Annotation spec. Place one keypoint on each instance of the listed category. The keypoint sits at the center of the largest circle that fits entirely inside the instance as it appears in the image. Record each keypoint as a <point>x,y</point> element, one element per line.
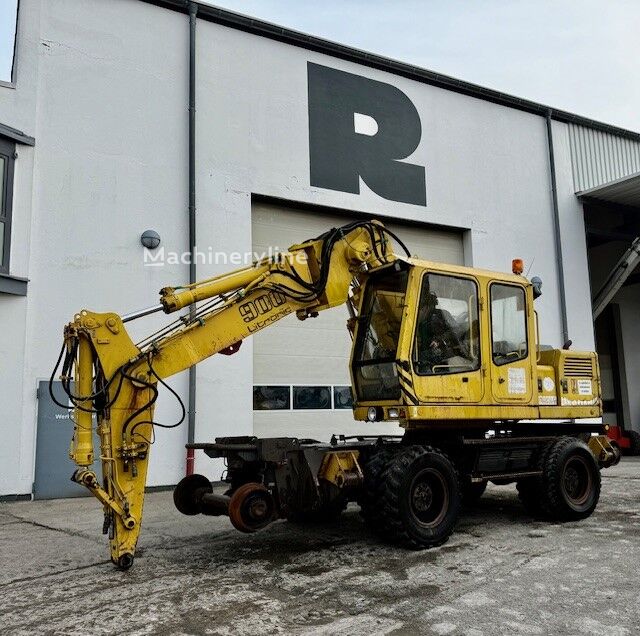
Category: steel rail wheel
<point>251,507</point>
<point>187,495</point>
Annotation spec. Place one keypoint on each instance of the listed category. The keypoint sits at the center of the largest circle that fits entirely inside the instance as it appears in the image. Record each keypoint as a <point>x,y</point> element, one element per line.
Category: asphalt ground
<point>500,573</point>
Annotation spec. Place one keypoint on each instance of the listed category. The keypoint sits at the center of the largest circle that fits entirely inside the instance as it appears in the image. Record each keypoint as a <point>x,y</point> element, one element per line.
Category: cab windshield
<point>377,337</point>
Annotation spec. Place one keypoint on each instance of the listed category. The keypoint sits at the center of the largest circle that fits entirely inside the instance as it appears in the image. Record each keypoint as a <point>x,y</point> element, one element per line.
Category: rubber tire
<point>531,489</point>
<point>634,443</point>
<point>471,492</point>
<point>399,522</point>
<point>370,506</point>
<point>555,502</point>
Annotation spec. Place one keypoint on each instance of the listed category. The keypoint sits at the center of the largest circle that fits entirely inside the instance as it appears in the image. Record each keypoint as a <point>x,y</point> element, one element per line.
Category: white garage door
<point>301,368</point>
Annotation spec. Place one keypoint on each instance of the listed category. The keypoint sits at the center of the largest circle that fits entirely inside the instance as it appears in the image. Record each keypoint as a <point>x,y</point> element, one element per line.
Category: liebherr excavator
<point>449,353</point>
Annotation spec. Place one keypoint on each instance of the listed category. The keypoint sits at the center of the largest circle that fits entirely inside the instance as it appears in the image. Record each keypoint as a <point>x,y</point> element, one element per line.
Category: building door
<point>54,432</point>
<point>301,368</point>
<point>610,352</point>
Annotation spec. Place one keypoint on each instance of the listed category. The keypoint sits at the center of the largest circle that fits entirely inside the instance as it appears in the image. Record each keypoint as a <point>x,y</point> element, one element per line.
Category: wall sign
<point>339,153</point>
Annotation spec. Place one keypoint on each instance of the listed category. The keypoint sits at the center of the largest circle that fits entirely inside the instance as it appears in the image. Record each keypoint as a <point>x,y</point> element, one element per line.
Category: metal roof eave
<point>623,191</point>
<point>16,135</point>
<point>334,49</point>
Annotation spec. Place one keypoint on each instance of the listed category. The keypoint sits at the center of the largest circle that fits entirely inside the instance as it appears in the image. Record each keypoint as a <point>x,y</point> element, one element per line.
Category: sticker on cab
<point>517,383</point>
<point>584,387</point>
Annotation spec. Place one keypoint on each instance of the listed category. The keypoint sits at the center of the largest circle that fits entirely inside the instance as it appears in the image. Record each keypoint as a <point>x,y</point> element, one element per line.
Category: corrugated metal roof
<point>599,157</point>
<point>625,191</point>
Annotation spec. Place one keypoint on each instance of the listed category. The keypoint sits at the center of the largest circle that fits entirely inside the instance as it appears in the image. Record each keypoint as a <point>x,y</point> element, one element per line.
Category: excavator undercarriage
<point>409,488</point>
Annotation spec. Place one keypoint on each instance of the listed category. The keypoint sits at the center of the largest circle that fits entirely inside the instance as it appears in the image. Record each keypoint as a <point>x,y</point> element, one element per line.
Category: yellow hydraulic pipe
<point>82,445</point>
<point>173,299</point>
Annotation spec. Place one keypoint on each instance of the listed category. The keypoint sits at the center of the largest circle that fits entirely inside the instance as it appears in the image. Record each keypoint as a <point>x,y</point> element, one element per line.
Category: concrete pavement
<point>500,573</point>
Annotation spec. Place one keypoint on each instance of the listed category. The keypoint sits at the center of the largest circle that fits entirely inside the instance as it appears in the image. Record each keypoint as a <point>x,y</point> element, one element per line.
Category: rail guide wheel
<point>187,495</point>
<point>251,507</point>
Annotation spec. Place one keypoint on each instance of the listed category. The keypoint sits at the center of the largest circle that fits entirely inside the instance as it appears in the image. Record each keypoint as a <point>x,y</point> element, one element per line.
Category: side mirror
<point>536,281</point>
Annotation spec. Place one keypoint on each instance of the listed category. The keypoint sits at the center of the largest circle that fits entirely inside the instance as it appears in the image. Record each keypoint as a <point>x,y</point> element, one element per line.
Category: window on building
<point>8,24</point>
<point>508,323</point>
<point>271,398</point>
<point>447,330</point>
<point>7,150</point>
<point>311,397</point>
<point>342,398</point>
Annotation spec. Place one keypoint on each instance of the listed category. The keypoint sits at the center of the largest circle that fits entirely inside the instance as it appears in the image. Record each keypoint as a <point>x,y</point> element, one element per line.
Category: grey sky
<point>7,35</point>
<point>579,55</point>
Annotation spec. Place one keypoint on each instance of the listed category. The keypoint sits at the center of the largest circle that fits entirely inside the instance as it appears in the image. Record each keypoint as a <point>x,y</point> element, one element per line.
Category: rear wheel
<point>370,500</point>
<point>531,489</point>
<point>419,497</point>
<point>571,481</point>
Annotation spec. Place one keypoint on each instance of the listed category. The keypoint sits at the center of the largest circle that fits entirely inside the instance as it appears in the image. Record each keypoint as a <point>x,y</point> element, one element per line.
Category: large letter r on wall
<point>339,155</point>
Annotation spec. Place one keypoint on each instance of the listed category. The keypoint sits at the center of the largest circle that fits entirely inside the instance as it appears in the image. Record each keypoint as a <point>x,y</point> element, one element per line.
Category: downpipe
<point>191,402</point>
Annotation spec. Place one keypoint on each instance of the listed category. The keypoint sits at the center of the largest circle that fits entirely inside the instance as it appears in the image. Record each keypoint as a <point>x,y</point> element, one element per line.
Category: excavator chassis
<point>410,488</point>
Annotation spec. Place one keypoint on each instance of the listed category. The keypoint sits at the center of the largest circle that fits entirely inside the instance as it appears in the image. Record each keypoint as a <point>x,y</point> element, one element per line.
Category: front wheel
<point>419,498</point>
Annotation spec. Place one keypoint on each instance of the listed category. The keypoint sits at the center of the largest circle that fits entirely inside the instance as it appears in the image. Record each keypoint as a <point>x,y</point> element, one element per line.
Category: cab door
<point>512,350</point>
<point>445,356</point>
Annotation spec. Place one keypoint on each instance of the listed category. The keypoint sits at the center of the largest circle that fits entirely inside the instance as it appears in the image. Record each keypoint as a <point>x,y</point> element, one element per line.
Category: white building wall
<point>574,244</point>
<point>18,110</point>
<point>111,160</point>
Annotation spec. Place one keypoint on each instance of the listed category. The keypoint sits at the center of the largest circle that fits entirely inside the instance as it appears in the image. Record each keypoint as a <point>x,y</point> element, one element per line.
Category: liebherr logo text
<point>262,305</point>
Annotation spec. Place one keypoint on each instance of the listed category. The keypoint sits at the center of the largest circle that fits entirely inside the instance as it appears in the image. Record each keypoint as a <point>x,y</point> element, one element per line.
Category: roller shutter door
<point>300,368</point>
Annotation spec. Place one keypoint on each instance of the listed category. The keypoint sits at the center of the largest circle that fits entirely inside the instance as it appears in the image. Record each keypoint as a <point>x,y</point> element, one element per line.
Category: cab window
<point>447,333</point>
<point>377,337</point>
<point>508,323</point>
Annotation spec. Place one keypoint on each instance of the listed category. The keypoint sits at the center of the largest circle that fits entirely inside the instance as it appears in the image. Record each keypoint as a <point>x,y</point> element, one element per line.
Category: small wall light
<point>150,239</point>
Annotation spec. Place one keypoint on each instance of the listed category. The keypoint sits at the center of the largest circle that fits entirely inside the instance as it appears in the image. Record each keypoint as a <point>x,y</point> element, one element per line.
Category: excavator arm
<point>112,382</point>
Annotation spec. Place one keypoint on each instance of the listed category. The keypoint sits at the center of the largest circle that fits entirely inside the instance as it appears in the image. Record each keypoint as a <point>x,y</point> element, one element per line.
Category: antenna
<point>533,260</point>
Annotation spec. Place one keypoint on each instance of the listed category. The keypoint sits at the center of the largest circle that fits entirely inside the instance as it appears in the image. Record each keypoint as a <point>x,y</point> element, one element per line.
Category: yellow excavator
<point>449,353</point>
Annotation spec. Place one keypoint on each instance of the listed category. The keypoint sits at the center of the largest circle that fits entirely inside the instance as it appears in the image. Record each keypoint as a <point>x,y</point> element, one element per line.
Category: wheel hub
<point>429,497</point>
<point>422,497</point>
<point>576,481</point>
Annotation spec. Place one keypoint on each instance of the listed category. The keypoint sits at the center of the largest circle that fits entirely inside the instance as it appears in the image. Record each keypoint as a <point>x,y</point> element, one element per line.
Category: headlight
<point>393,414</point>
<point>372,414</point>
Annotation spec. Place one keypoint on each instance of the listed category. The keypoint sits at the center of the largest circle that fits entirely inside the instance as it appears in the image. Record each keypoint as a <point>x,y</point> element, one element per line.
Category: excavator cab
<point>441,346</point>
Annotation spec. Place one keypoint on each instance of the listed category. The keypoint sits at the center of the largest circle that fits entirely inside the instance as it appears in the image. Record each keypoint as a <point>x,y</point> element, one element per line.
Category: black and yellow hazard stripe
<point>406,386</point>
